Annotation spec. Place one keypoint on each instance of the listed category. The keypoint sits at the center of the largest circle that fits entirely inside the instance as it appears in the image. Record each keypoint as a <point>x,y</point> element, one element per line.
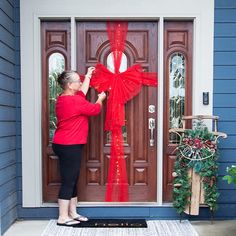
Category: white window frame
<point>31,12</point>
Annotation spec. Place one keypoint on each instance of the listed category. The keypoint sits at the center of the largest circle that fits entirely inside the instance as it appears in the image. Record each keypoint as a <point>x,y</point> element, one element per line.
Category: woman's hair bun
<point>65,77</point>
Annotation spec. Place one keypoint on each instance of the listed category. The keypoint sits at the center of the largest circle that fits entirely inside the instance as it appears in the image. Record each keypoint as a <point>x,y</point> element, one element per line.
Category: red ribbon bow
<point>121,87</point>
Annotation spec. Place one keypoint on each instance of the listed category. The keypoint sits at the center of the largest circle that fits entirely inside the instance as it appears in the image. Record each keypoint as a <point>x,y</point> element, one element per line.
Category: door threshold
<point>114,204</point>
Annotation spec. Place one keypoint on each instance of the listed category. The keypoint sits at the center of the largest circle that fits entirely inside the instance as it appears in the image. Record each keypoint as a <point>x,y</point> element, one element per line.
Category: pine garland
<point>198,150</point>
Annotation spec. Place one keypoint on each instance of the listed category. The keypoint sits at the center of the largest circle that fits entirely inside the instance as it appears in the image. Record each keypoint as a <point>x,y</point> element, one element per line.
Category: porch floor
<point>204,228</point>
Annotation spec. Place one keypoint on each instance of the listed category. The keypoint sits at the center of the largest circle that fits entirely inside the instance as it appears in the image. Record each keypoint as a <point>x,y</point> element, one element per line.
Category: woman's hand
<point>102,96</point>
<point>90,72</point>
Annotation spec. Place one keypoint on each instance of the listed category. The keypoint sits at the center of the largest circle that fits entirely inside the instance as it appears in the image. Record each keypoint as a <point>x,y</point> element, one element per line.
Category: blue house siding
<point>225,95</point>
<point>10,122</point>
<point>8,104</point>
<point>224,105</point>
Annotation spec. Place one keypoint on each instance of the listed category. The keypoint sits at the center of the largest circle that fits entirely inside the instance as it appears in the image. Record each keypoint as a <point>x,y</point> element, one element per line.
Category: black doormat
<point>113,223</point>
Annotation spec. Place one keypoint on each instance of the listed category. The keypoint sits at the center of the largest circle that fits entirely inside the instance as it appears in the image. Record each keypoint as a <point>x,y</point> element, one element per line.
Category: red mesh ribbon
<point>117,34</point>
<point>121,87</point>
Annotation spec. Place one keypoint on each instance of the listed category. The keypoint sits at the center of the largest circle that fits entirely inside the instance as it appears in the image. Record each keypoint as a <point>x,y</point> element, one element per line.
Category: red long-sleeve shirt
<point>72,119</point>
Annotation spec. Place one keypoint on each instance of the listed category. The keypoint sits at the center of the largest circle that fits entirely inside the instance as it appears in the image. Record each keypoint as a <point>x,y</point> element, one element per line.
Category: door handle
<point>151,125</point>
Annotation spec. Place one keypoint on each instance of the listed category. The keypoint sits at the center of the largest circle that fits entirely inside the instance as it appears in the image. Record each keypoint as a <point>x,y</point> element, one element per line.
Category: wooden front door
<point>140,47</point>
<point>93,46</point>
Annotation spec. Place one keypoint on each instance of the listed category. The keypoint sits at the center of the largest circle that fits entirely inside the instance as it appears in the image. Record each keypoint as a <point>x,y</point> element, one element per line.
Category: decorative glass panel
<point>123,67</point>
<point>56,65</point>
<point>177,68</point>
<point>124,132</point>
<point>123,64</point>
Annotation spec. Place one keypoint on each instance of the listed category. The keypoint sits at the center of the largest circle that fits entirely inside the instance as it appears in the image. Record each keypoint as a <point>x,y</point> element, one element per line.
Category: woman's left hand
<point>90,72</point>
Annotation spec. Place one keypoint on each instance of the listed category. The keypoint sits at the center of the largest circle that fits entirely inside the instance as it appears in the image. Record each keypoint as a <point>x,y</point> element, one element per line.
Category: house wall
<point>224,99</point>
<point>9,91</point>
<point>10,145</point>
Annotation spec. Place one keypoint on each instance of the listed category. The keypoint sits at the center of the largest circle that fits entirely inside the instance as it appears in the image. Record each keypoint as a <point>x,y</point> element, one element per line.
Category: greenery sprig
<point>231,176</point>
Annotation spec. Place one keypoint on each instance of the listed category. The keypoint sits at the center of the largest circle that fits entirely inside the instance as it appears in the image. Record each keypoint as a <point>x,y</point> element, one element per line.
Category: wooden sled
<point>197,191</point>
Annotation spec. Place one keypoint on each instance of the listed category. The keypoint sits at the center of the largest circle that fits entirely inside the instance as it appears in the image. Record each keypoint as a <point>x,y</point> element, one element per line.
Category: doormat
<point>154,228</point>
<point>113,223</point>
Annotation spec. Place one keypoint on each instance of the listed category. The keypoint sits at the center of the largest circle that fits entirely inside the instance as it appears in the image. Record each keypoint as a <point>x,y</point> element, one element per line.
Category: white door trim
<point>31,12</point>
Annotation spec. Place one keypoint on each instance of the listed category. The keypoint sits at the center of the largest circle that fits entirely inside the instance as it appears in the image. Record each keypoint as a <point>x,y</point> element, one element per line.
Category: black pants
<point>69,162</point>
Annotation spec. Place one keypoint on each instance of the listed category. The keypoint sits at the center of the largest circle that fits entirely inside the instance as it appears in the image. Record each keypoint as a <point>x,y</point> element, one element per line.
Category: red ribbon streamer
<point>121,87</point>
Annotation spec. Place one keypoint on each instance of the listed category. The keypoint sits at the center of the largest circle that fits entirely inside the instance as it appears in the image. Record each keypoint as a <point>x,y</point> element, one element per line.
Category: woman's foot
<point>67,222</point>
<point>78,217</point>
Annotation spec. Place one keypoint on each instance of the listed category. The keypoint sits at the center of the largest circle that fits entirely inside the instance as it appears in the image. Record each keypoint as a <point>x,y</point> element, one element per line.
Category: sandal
<point>69,223</point>
<point>80,218</point>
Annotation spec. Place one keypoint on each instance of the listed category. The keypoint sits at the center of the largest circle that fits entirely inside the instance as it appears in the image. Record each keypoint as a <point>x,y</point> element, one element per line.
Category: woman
<point>72,111</point>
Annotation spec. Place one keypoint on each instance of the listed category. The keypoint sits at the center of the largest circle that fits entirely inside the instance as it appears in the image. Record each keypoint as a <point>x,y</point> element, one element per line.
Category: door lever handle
<point>151,125</point>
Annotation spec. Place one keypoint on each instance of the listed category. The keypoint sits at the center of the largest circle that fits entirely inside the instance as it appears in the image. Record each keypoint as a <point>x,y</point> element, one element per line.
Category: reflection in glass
<point>123,67</point>
<point>56,65</point>
<point>123,64</point>
<point>177,69</point>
